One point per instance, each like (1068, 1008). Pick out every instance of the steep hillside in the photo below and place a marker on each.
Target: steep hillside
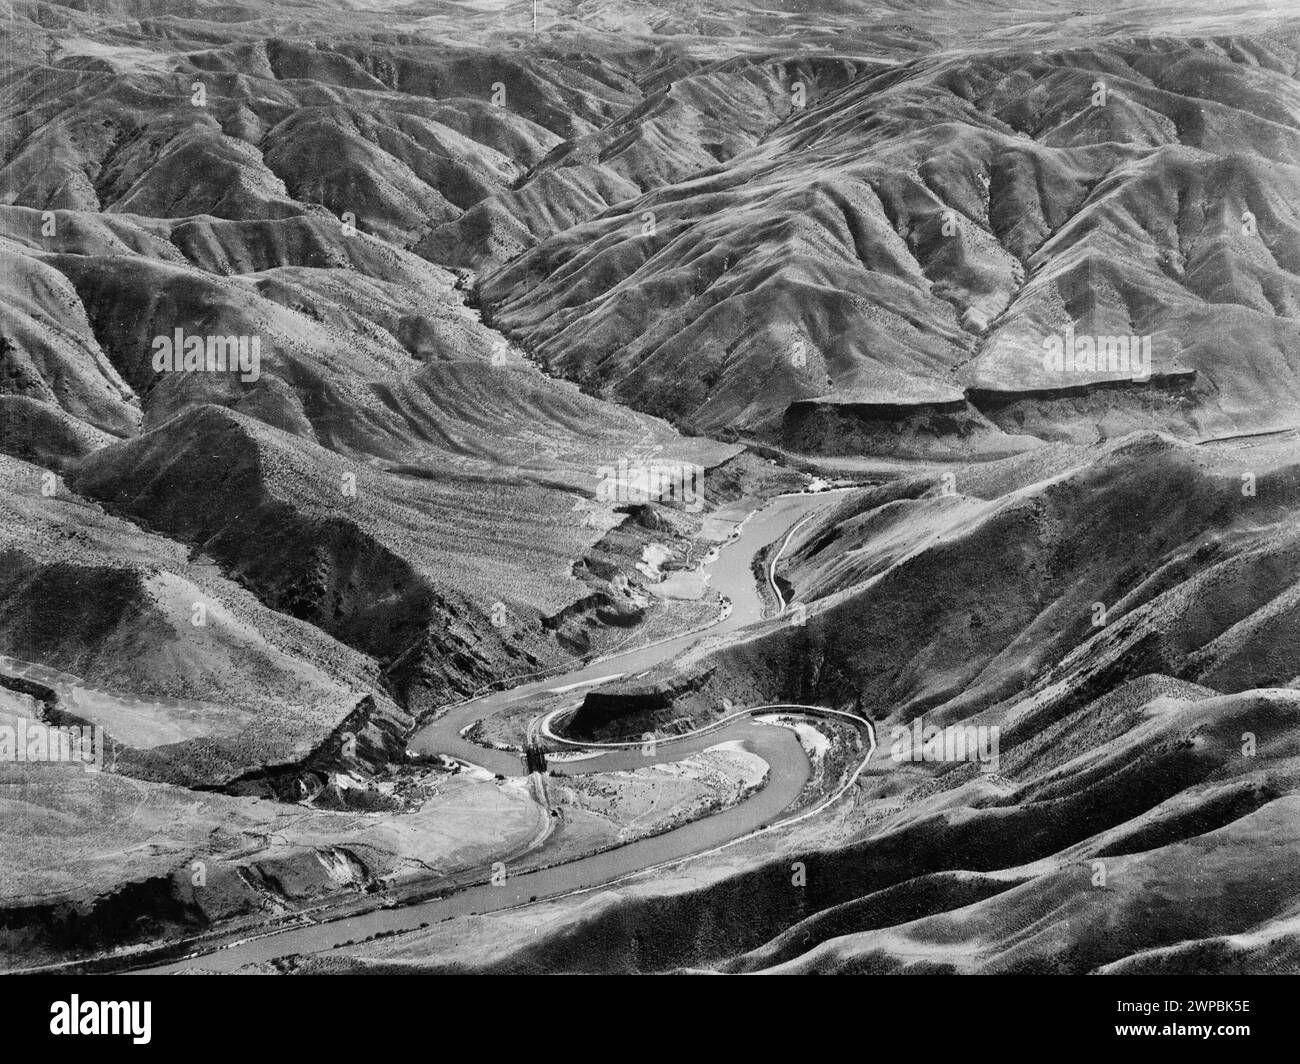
(886, 270)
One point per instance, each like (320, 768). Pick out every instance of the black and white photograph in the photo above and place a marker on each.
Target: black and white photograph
(650, 487)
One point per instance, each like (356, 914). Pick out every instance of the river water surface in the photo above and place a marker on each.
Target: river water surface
(729, 573)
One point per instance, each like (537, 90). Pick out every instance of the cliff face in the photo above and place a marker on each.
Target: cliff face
(615, 716)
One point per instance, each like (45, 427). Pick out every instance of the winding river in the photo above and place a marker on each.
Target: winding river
(730, 573)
